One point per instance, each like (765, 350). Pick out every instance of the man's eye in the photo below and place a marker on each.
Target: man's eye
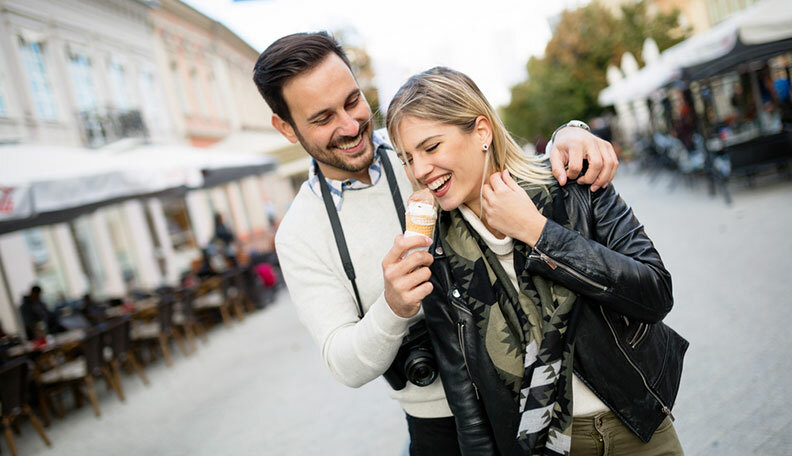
(322, 121)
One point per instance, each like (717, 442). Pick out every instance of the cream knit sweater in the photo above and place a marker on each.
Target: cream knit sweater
(356, 351)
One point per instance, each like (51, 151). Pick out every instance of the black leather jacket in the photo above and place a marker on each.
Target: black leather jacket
(623, 351)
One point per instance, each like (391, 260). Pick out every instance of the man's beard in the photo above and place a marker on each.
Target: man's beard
(327, 156)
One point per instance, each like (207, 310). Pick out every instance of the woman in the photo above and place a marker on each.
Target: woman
(547, 302)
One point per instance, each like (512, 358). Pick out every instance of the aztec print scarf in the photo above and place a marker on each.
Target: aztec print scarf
(527, 334)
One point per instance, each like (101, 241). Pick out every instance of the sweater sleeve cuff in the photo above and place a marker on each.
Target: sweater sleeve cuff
(386, 320)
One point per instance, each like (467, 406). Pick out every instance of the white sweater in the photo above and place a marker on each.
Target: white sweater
(356, 351)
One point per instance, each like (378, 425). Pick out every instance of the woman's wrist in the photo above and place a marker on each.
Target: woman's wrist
(533, 230)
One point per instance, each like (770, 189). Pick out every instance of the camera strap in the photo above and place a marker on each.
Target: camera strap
(335, 223)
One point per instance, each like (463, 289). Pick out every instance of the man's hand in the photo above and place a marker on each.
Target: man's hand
(571, 146)
(406, 277)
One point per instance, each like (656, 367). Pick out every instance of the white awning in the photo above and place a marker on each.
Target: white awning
(37, 179)
(767, 21)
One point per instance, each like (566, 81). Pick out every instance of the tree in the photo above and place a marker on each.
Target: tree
(565, 83)
(360, 61)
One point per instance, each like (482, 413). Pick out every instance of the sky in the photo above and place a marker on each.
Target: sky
(489, 40)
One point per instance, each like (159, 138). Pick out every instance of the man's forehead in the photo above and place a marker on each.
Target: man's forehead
(322, 87)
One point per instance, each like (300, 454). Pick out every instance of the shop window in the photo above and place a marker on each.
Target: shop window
(118, 84)
(178, 223)
(49, 274)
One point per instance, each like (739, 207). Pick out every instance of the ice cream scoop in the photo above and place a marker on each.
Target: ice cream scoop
(421, 215)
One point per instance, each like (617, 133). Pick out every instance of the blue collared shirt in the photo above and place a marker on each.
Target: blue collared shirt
(338, 187)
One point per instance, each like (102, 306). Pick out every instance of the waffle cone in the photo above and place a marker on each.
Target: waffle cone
(421, 225)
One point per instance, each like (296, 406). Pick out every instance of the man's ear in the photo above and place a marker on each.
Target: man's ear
(284, 128)
(483, 130)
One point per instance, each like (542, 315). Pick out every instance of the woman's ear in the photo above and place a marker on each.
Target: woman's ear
(483, 130)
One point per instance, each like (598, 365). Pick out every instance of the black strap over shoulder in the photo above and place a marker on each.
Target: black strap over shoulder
(335, 223)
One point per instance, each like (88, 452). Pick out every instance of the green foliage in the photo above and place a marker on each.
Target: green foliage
(565, 83)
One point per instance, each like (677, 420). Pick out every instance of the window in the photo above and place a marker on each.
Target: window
(180, 89)
(217, 100)
(81, 73)
(32, 54)
(2, 99)
(198, 93)
(150, 96)
(118, 85)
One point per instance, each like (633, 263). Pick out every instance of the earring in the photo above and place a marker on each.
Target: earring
(485, 147)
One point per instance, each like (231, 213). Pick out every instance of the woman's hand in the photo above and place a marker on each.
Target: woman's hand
(507, 209)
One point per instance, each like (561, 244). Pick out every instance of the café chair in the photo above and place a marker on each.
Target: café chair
(78, 374)
(13, 397)
(232, 293)
(210, 298)
(159, 332)
(184, 318)
(122, 353)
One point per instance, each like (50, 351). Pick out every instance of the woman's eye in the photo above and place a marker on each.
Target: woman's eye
(353, 102)
(433, 147)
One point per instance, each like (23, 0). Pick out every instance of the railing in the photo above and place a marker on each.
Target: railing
(103, 127)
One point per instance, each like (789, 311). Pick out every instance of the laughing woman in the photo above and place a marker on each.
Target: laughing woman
(547, 303)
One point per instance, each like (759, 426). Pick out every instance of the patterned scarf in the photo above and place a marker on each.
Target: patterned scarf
(527, 334)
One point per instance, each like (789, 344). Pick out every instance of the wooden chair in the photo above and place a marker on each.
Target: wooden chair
(210, 299)
(242, 282)
(232, 294)
(13, 397)
(160, 331)
(184, 317)
(77, 374)
(121, 345)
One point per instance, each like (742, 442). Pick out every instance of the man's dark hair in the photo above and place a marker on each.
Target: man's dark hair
(35, 289)
(288, 57)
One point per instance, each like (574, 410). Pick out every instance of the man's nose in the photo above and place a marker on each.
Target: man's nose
(349, 125)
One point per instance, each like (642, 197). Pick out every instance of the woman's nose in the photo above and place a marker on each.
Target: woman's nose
(421, 167)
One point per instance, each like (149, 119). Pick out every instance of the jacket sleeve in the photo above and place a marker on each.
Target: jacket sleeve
(619, 267)
(473, 428)
(355, 350)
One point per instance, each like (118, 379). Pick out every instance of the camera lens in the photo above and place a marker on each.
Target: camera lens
(420, 367)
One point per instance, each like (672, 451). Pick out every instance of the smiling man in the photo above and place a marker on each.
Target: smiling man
(307, 81)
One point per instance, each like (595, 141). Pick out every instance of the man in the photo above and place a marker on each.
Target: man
(38, 319)
(315, 99)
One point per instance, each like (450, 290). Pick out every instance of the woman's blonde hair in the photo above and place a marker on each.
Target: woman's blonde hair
(450, 97)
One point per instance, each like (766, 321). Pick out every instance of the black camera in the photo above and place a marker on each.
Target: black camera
(415, 360)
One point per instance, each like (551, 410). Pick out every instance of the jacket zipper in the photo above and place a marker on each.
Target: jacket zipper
(461, 335)
(557, 264)
(665, 409)
(639, 335)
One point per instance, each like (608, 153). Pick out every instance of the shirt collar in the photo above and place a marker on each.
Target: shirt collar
(338, 187)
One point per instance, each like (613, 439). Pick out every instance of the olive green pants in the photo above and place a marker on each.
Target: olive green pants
(605, 435)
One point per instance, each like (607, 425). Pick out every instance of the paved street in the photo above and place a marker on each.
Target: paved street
(261, 388)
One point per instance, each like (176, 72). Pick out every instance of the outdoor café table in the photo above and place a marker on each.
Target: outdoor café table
(64, 342)
(140, 309)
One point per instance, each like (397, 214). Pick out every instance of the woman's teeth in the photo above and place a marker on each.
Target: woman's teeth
(437, 183)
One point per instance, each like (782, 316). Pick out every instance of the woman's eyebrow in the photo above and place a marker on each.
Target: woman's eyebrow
(426, 140)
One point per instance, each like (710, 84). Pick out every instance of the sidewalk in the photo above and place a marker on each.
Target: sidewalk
(261, 388)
